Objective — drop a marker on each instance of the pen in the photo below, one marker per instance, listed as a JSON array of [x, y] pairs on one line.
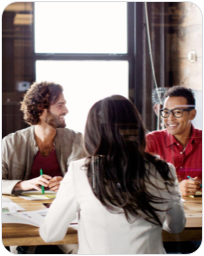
[[190, 178], [42, 187]]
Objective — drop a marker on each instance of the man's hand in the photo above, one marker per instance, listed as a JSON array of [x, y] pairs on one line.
[[189, 187], [35, 183], [54, 183]]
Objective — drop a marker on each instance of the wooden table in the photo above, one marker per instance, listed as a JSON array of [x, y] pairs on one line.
[[27, 235]]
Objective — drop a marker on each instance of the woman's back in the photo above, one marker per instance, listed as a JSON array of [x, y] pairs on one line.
[[125, 196], [101, 231]]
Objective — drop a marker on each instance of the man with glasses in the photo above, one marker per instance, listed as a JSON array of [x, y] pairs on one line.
[[180, 143]]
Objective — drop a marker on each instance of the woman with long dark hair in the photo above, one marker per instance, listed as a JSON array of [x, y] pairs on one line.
[[124, 195]]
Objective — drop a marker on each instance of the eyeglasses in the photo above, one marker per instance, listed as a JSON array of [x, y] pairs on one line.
[[177, 112]]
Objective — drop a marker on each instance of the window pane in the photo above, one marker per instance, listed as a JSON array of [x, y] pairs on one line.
[[80, 27], [84, 83]]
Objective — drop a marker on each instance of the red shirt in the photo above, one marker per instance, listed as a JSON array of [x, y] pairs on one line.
[[187, 162], [48, 164]]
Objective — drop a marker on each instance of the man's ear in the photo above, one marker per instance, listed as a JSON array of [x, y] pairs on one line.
[[193, 114]]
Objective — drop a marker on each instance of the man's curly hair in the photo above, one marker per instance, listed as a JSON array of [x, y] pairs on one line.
[[40, 96]]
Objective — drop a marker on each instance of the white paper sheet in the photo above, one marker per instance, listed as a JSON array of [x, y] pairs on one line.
[[8, 206]]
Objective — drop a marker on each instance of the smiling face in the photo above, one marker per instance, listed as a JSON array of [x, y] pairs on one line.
[[179, 127], [56, 113]]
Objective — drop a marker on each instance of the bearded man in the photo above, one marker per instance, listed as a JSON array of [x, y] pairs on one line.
[[45, 145]]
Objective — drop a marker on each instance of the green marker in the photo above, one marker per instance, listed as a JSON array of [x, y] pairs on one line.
[[42, 187]]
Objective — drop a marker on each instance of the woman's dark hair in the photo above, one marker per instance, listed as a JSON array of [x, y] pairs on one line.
[[181, 91], [117, 166], [39, 97]]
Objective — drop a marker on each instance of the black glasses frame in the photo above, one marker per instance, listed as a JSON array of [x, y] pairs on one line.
[[172, 111]]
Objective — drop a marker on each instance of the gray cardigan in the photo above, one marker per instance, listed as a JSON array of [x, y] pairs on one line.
[[20, 148]]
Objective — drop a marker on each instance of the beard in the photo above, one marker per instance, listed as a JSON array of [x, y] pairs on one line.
[[54, 120]]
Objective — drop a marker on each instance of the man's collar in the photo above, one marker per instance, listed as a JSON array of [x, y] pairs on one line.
[[170, 139]]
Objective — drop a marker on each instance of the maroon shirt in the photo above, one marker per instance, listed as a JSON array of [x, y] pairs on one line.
[[165, 145], [48, 164]]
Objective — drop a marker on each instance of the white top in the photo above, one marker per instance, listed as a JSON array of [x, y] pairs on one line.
[[103, 232]]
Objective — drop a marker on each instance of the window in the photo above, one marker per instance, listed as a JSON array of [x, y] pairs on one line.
[[83, 47], [83, 27], [84, 83]]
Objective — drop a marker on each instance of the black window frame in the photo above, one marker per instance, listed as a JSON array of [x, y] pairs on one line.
[[129, 56], [140, 79]]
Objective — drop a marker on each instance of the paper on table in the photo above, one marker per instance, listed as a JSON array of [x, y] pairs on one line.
[[37, 195], [28, 217], [33, 218], [8, 206], [9, 218]]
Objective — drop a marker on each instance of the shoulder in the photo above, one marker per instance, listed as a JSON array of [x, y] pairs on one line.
[[197, 136], [156, 134], [198, 132], [77, 168], [71, 135], [78, 163], [161, 163], [20, 135], [172, 168]]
